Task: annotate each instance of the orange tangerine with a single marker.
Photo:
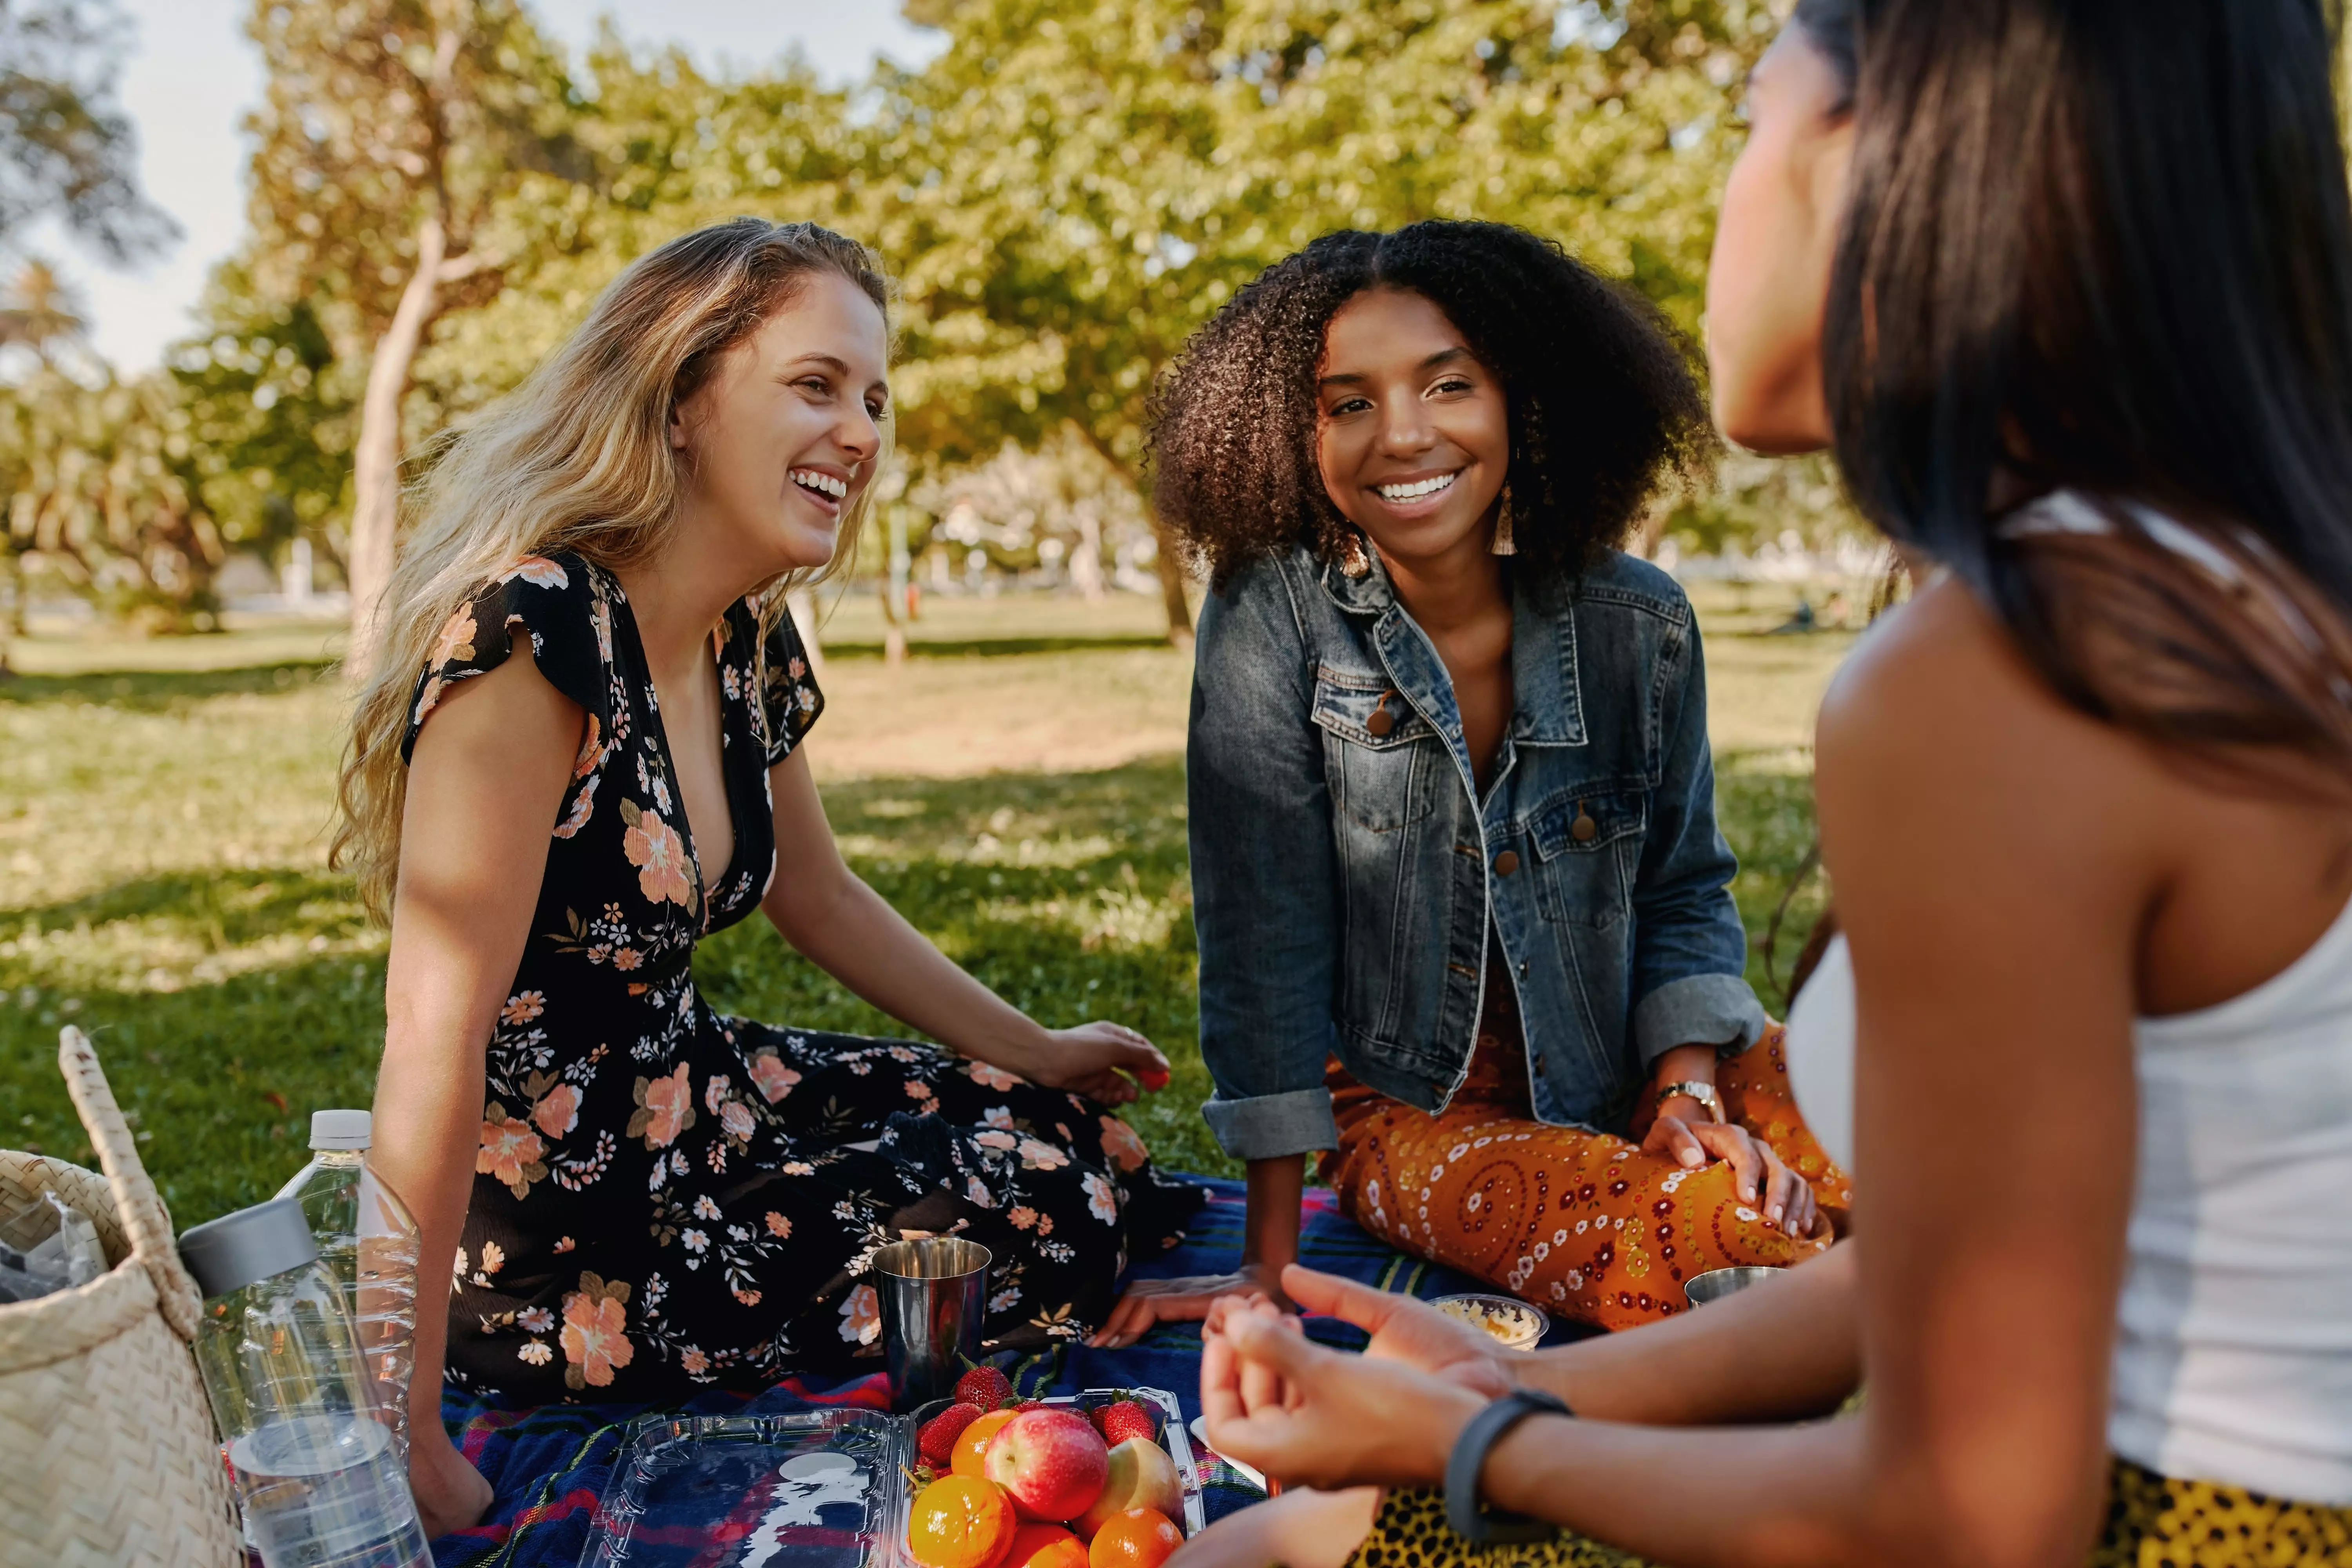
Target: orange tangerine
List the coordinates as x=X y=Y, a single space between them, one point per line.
x=1044 y=1546
x=1139 y=1538
x=960 y=1522
x=972 y=1446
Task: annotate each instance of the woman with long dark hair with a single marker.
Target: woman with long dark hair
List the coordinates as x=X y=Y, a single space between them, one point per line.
x=1464 y=915
x=2087 y=356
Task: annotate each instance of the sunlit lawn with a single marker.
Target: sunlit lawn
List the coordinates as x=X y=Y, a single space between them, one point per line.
x=1016 y=789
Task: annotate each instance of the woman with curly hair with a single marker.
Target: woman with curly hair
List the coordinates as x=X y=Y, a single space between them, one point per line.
x=1463 y=914
x=581 y=751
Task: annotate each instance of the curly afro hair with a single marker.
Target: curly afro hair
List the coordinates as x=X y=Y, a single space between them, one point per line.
x=1603 y=404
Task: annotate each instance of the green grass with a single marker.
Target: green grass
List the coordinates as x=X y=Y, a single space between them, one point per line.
x=164 y=884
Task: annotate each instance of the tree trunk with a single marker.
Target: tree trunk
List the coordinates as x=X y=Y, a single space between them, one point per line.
x=375 y=466
x=1086 y=561
x=1170 y=568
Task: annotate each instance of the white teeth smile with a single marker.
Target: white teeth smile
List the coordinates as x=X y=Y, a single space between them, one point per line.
x=825 y=484
x=1416 y=490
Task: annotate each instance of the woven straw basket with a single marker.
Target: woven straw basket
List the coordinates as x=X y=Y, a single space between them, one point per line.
x=106 y=1450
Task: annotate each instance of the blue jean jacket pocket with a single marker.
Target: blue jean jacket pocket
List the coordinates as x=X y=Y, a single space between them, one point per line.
x=1587 y=846
x=1386 y=765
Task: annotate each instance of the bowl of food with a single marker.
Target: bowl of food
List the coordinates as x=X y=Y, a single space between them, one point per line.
x=1716 y=1283
x=1514 y=1325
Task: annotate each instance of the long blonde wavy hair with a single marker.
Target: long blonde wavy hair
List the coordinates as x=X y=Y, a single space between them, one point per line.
x=577 y=458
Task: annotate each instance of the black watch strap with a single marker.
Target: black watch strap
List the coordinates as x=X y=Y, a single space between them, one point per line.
x=1469 y=1457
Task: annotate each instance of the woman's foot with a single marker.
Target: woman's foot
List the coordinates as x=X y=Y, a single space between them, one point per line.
x=450 y=1493
x=1300 y=1529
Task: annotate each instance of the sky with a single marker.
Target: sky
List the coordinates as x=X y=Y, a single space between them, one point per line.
x=191 y=75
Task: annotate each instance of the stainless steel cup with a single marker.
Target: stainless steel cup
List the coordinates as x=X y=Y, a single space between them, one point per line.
x=1716 y=1283
x=932 y=1294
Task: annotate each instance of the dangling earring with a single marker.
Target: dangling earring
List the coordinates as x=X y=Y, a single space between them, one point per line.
x=1503 y=545
x=1353 y=560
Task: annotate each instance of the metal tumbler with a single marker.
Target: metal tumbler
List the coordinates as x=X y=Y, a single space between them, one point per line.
x=932 y=1295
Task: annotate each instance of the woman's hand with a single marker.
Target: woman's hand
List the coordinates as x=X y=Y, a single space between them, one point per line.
x=1094 y=1060
x=1149 y=1301
x=1317 y=1417
x=1403 y=1329
x=450 y=1493
x=1787 y=1200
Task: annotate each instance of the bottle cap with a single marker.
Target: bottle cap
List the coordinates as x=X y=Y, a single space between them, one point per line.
x=341 y=1129
x=249 y=1245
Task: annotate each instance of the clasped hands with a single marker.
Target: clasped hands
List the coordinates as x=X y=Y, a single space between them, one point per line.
x=1314 y=1416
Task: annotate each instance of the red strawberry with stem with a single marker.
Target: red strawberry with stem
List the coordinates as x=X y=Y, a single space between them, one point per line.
x=985 y=1386
x=935 y=1440
x=1125 y=1419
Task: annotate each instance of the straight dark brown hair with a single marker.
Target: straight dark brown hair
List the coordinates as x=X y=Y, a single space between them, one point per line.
x=2106 y=246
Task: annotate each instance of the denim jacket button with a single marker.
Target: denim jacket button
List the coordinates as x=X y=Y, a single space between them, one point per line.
x=1507 y=862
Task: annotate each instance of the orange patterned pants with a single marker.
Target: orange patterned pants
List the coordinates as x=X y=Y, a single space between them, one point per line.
x=1583 y=1223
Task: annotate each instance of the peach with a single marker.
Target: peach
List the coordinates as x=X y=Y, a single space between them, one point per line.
x=1140 y=1475
x=1050 y=1462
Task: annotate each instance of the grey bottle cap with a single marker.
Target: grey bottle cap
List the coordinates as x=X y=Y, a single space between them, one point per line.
x=247 y=1246
x=341 y=1129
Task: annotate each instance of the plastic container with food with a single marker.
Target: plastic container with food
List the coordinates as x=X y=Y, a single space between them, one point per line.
x=817 y=1489
x=1514 y=1325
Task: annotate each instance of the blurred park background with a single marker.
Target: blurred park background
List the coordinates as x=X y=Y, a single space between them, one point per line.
x=428 y=193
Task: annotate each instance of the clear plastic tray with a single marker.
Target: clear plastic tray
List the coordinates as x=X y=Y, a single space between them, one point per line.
x=1171 y=1438
x=821 y=1488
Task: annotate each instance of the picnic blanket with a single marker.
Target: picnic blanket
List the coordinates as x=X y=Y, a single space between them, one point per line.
x=548 y=1466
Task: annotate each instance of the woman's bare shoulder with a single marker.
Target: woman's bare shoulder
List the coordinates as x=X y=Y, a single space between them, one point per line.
x=511 y=709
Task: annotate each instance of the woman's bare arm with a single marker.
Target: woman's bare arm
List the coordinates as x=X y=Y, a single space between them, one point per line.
x=485 y=786
x=829 y=915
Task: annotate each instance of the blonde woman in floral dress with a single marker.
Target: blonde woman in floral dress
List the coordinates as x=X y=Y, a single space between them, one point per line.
x=578 y=753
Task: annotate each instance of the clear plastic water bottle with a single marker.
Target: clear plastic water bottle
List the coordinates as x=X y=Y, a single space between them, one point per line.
x=368 y=1240
x=316 y=1476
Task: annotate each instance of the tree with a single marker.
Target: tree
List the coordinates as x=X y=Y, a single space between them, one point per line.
x=1074 y=186
x=101 y=494
x=41 y=313
x=271 y=415
x=64 y=149
x=390 y=131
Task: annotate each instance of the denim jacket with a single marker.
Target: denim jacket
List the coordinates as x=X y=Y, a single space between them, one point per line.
x=1345 y=879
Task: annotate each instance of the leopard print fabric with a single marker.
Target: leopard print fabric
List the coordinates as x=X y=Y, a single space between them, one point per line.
x=2153 y=1521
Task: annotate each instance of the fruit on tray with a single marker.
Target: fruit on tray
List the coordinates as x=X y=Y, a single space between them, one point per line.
x=1122 y=1419
x=960 y=1522
x=1138 y=1538
x=970 y=1456
x=936 y=1438
x=1044 y=1546
x=1050 y=1462
x=1139 y=1474
x=986 y=1386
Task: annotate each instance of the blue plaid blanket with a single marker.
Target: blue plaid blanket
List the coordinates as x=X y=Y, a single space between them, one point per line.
x=548 y=1466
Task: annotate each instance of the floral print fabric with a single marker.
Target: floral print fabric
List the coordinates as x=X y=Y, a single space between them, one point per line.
x=1583 y=1223
x=666 y=1197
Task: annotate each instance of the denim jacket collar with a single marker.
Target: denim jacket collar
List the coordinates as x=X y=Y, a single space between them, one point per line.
x=1546 y=704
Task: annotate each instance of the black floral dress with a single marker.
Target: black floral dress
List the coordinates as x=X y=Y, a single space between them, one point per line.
x=664 y=1196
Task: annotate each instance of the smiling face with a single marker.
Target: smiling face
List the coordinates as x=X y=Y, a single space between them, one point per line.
x=1412 y=436
x=1775 y=241
x=784 y=435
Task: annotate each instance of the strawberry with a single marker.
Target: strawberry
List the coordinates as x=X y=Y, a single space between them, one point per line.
x=1153 y=1078
x=985 y=1386
x=936 y=1441
x=1123 y=1420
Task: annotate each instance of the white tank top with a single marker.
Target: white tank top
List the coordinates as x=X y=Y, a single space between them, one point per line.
x=2233 y=1331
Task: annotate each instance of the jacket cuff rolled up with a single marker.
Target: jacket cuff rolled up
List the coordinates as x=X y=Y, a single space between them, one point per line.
x=1717 y=1010
x=1270 y=1126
